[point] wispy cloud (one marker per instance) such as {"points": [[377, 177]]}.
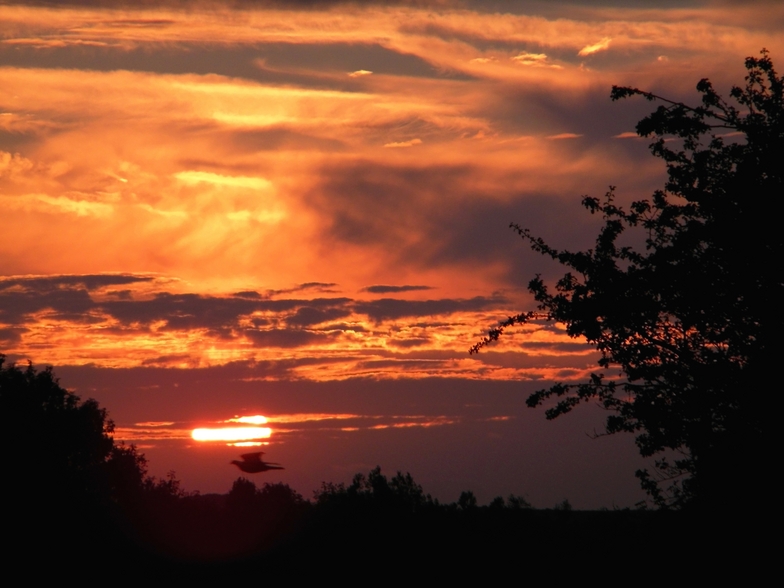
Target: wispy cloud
{"points": [[602, 45], [193, 177], [41, 43], [381, 289], [411, 143], [56, 205], [535, 60], [564, 136]]}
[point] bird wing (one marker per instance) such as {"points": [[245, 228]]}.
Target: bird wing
{"points": [[252, 457]]}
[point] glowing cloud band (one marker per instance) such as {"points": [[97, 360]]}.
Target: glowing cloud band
{"points": [[249, 420], [231, 434]]}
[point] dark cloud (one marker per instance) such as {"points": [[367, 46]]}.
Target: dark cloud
{"points": [[434, 217], [345, 57], [274, 139], [392, 308], [247, 294], [16, 306], [479, 232], [88, 281], [287, 338], [120, 294], [140, 22], [307, 315], [175, 59], [17, 141], [371, 203], [411, 342], [589, 113], [182, 311], [164, 360], [317, 286], [11, 336], [68, 298], [84, 318], [380, 289], [313, 65], [193, 311], [343, 327], [286, 322]]}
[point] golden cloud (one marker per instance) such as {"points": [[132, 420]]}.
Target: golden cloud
{"points": [[602, 45], [254, 179], [410, 143]]}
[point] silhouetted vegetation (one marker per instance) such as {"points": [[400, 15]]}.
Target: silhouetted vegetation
{"points": [[688, 325], [73, 495], [66, 481]]}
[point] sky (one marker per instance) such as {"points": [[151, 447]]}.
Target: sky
{"points": [[301, 210]]}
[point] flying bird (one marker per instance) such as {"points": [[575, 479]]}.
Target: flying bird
{"points": [[252, 463]]}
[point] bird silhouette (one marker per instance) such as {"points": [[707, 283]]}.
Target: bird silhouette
{"points": [[252, 463]]}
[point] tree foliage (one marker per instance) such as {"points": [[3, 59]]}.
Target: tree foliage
{"points": [[687, 326], [47, 431], [62, 452], [400, 494]]}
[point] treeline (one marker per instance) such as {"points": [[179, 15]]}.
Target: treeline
{"points": [[377, 518]]}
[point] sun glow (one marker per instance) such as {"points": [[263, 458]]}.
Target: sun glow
{"points": [[231, 434], [248, 444], [249, 420]]}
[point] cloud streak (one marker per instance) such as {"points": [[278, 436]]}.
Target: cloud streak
{"points": [[78, 319], [381, 289]]}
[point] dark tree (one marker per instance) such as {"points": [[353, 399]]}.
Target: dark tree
{"points": [[66, 483], [401, 494], [47, 433], [59, 452], [688, 325]]}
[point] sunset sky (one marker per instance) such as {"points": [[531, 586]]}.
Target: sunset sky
{"points": [[300, 210]]}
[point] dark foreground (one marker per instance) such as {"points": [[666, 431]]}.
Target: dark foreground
{"points": [[76, 505], [388, 528]]}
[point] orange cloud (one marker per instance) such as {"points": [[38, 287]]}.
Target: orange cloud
{"points": [[410, 143], [535, 60], [222, 156]]}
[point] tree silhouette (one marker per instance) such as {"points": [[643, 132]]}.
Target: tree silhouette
{"points": [[399, 497], [688, 326], [47, 433], [65, 473]]}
